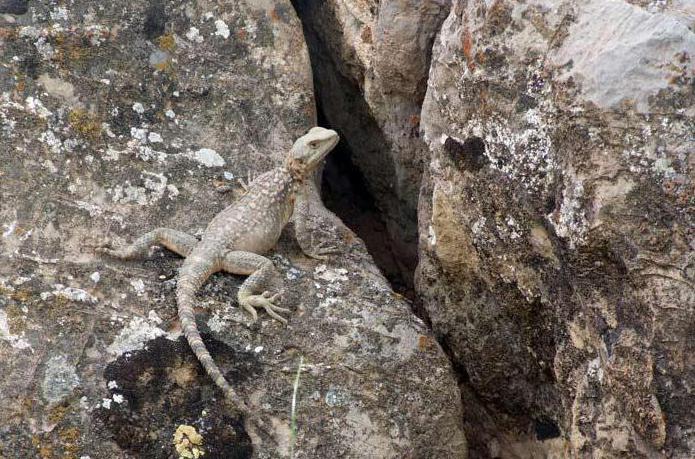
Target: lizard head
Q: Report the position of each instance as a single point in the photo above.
(308, 151)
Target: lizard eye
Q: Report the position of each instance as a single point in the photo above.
(313, 144)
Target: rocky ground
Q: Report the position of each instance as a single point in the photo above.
(119, 118)
(522, 171)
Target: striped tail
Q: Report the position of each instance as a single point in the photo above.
(191, 278)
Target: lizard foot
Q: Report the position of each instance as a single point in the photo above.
(321, 251)
(105, 247)
(246, 183)
(265, 301)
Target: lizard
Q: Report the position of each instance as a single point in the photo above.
(235, 241)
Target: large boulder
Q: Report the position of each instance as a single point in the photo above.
(117, 118)
(556, 224)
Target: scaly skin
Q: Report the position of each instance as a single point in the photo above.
(234, 242)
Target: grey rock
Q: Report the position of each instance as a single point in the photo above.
(556, 222)
(59, 380)
(14, 6)
(118, 118)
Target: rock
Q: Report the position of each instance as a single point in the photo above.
(14, 6)
(556, 216)
(119, 118)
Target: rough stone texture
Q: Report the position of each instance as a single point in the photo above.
(371, 61)
(556, 224)
(118, 118)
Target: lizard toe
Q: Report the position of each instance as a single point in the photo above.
(271, 312)
(250, 309)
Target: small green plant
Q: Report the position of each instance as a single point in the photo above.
(293, 413)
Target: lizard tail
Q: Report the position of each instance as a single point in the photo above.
(190, 280)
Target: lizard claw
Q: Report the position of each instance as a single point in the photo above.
(266, 300)
(224, 188)
(322, 250)
(245, 183)
(107, 249)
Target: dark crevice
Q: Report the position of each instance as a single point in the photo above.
(546, 429)
(346, 190)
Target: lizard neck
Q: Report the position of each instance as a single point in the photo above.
(298, 176)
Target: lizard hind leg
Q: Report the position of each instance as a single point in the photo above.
(253, 292)
(176, 241)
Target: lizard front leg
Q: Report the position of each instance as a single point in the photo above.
(176, 241)
(253, 292)
(306, 225)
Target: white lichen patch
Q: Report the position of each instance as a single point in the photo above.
(331, 275)
(53, 142)
(222, 29)
(147, 153)
(138, 285)
(34, 106)
(292, 273)
(59, 13)
(193, 35)
(217, 323)
(522, 153)
(138, 133)
(135, 335)
(570, 222)
(207, 157)
(69, 293)
(59, 379)
(44, 48)
(16, 341)
(155, 185)
(138, 108)
(154, 137)
(510, 229)
(594, 370)
(9, 228)
(97, 34)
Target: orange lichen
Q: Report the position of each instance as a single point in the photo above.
(167, 42)
(85, 123)
(414, 121)
(367, 34)
(424, 342)
(7, 33)
(467, 47)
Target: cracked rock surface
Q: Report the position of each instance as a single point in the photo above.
(118, 119)
(554, 139)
